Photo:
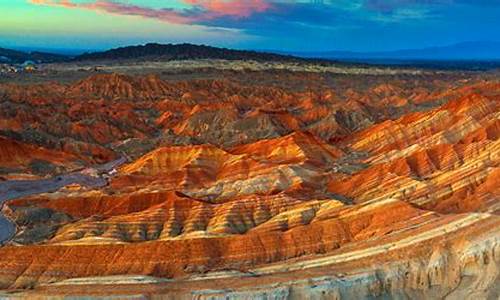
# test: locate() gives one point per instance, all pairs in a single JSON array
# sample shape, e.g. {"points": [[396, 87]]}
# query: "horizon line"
{"points": [[61, 50]]}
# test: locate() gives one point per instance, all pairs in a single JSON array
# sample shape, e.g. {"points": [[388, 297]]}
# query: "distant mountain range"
{"points": [[462, 51], [183, 52], [470, 51], [14, 56]]}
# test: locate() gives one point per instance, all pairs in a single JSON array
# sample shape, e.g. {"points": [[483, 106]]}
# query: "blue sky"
{"points": [[356, 25]]}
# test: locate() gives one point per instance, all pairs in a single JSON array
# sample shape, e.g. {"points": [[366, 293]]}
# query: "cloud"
{"points": [[233, 8], [201, 11], [167, 15], [387, 6]]}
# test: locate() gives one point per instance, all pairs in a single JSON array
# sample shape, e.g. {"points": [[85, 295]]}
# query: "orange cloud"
{"points": [[205, 9], [236, 8]]}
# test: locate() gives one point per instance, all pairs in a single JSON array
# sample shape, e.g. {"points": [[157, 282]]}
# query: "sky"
{"points": [[286, 25]]}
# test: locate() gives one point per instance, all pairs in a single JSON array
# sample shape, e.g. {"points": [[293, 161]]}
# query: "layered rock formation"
{"points": [[390, 189]]}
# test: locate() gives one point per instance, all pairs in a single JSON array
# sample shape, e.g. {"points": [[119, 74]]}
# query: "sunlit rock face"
{"points": [[383, 188]]}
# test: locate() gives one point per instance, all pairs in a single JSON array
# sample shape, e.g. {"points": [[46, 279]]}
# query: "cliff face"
{"points": [[383, 191]]}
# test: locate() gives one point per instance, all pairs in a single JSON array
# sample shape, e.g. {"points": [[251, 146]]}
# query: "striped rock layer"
{"points": [[404, 206]]}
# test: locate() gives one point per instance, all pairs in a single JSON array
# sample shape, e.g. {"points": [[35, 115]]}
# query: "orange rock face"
{"points": [[264, 181], [22, 158]]}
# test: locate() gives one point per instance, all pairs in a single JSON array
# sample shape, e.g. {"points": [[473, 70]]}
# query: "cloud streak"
{"points": [[201, 11], [388, 6], [234, 8]]}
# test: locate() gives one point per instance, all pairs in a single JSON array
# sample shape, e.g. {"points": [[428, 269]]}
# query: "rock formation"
{"points": [[231, 190]]}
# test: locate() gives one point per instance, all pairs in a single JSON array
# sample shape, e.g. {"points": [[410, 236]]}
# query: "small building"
{"points": [[90, 172], [5, 68], [73, 187], [29, 66]]}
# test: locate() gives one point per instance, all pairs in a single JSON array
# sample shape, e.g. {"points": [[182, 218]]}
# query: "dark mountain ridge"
{"points": [[154, 51], [15, 56]]}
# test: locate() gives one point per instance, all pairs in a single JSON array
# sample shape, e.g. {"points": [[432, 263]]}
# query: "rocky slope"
{"points": [[388, 188]]}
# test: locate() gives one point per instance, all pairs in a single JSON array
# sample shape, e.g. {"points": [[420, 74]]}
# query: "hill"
{"points": [[182, 52], [14, 56]]}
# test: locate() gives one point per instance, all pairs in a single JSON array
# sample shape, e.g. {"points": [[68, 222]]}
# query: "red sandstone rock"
{"points": [[260, 178]]}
